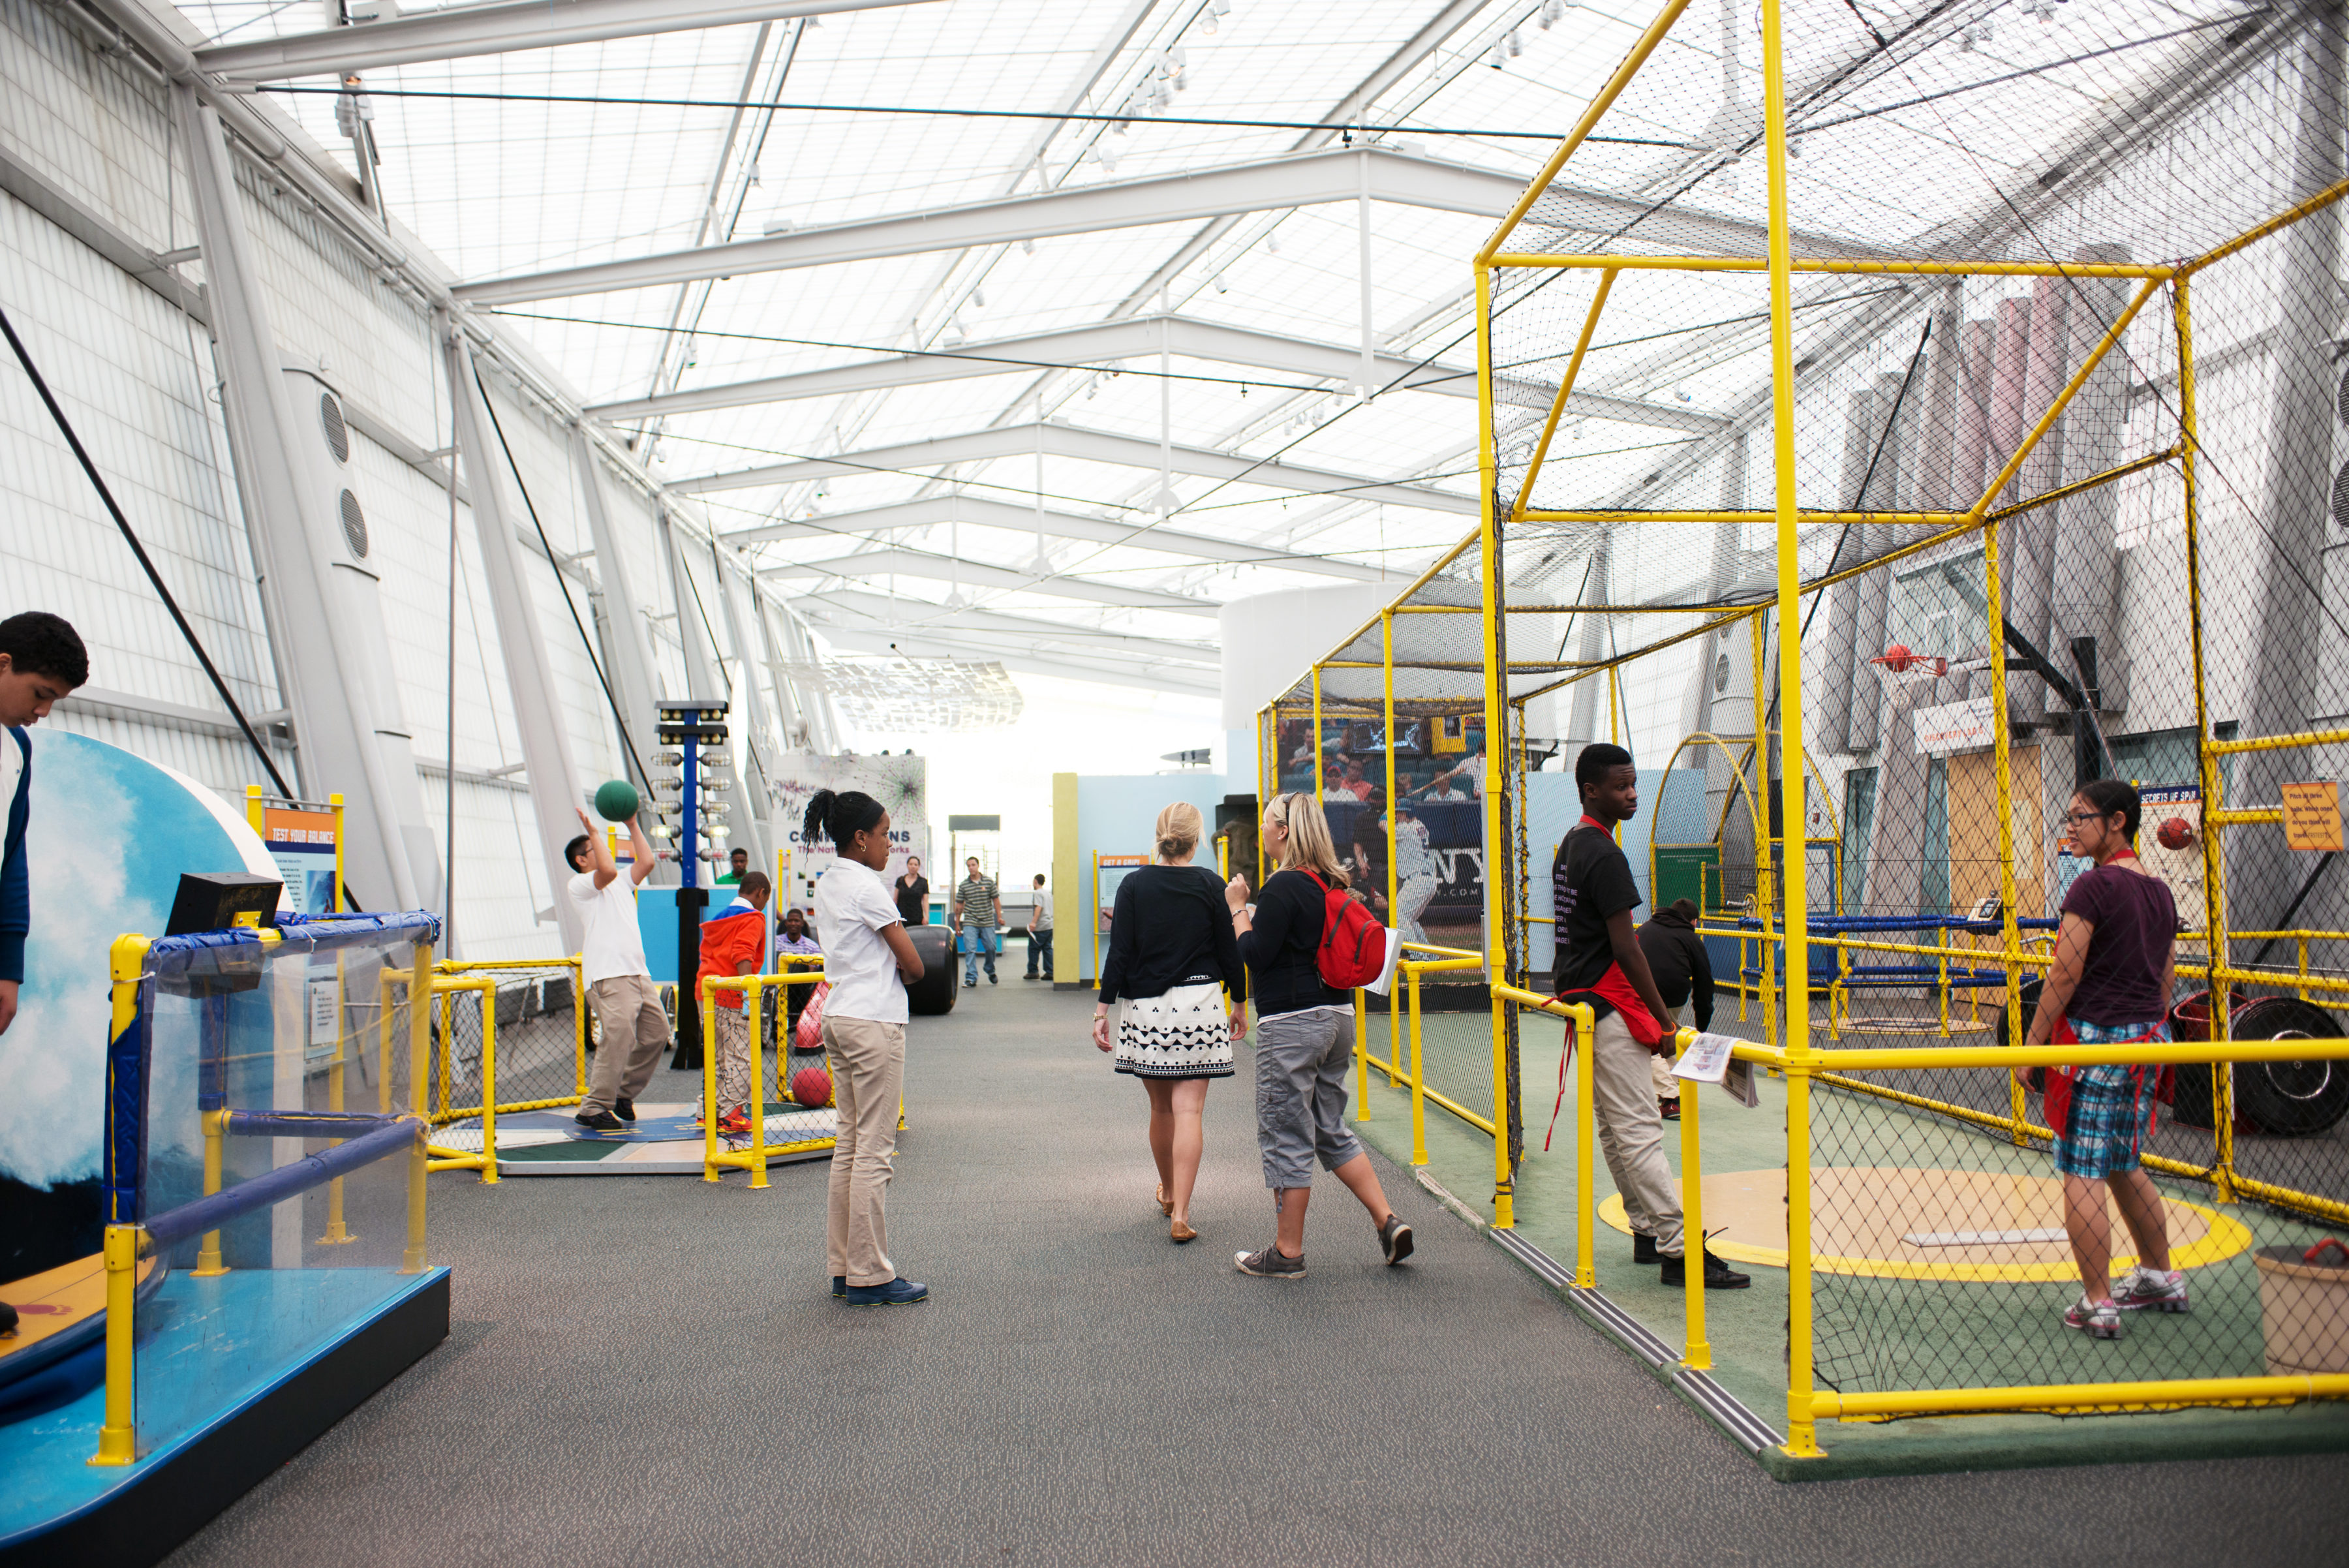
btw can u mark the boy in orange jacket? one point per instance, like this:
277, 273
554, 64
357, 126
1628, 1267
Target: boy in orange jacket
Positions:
734, 942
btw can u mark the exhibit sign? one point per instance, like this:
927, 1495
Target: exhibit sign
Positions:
901, 784
1968, 725
2312, 816
1109, 870
301, 843
2169, 843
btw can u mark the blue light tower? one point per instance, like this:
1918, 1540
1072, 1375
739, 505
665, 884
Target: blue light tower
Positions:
690, 725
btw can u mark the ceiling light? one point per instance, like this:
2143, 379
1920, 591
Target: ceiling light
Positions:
1271, 243
1499, 58
1516, 45
1027, 247
781, 226
1212, 18
978, 299
1218, 281
1551, 12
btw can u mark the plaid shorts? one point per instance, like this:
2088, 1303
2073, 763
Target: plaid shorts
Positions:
2111, 1111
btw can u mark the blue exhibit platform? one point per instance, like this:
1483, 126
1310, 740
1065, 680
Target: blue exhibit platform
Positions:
235, 1376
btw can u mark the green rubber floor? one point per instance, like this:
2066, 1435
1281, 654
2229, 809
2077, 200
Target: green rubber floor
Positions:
1871, 1333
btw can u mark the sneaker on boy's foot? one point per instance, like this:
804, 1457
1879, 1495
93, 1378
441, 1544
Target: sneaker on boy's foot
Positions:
897, 1292
1718, 1275
1269, 1264
1669, 1109
2163, 1291
625, 1108
839, 1287
601, 1121
2102, 1320
1643, 1249
736, 1123
1394, 1239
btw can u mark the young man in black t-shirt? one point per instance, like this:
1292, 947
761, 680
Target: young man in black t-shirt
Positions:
1599, 962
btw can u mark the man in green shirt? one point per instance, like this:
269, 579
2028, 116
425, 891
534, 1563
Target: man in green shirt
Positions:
978, 909
739, 862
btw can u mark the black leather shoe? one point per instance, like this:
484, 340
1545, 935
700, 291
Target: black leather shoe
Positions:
625, 1108
602, 1121
1643, 1249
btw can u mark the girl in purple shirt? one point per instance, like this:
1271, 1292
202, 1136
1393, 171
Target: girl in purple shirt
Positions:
2115, 962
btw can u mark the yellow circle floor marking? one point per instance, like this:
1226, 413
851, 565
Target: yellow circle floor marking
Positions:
1883, 1221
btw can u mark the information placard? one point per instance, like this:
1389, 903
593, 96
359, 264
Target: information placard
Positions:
2311, 816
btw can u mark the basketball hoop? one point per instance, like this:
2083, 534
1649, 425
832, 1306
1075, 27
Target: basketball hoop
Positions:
1900, 661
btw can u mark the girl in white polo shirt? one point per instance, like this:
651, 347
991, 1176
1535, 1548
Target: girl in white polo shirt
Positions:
868, 959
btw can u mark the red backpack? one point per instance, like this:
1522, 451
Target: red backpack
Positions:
1353, 950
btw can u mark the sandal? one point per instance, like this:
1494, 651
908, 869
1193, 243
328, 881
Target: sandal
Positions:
1182, 1232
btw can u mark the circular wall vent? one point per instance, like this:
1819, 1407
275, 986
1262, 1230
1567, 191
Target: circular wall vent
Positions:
1720, 674
355, 533
2341, 400
338, 435
2341, 497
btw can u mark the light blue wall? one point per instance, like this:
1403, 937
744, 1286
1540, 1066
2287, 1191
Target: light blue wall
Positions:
1113, 818
1553, 806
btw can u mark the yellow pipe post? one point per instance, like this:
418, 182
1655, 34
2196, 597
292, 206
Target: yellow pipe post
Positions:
1418, 1080
489, 1085
1362, 1054
2003, 771
753, 1000
1586, 1265
1318, 786
2216, 953
1801, 1439
709, 1171
579, 1016
420, 1047
1394, 879
338, 1231
118, 1438
1699, 1354
335, 899
1504, 1191
208, 1251
1757, 800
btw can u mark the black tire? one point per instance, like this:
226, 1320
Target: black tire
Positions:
933, 995
2037, 1076
2290, 1099
2190, 1103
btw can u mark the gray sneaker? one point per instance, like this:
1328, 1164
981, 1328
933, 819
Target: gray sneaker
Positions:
2148, 1288
1270, 1264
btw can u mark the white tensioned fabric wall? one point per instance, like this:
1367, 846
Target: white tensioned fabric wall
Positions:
137, 376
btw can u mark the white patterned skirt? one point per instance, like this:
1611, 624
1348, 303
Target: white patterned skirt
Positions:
1183, 1034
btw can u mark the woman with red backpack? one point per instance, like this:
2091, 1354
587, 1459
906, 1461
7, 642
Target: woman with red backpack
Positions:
1304, 1035
2114, 962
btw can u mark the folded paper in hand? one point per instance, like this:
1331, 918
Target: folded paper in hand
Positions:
1708, 1061
1380, 986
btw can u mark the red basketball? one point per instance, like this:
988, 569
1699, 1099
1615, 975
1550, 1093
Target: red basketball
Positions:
1897, 657
2175, 834
811, 1087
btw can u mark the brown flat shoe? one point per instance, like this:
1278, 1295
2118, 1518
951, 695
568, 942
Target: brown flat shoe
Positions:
1182, 1232
1165, 1204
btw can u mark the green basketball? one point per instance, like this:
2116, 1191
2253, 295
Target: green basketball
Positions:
616, 801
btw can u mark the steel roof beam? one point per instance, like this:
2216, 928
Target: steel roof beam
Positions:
943, 568
1299, 180
1135, 338
1190, 681
1085, 446
895, 612
461, 32
931, 511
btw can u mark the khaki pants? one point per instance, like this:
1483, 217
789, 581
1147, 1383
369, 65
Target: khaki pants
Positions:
1631, 1132
1667, 1087
733, 1058
636, 1031
868, 1078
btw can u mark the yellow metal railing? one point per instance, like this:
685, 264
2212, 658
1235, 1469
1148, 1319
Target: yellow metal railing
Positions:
444, 1111
126, 1244
445, 988
1408, 972
752, 988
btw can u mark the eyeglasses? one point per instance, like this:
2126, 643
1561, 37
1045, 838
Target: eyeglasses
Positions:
2088, 815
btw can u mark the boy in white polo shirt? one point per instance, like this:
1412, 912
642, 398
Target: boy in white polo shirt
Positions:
619, 983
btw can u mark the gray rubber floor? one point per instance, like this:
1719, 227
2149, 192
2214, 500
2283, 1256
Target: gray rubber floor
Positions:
650, 1370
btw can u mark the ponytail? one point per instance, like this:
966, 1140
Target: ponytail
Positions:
839, 817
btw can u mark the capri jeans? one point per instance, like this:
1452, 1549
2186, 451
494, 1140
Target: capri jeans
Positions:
1301, 1061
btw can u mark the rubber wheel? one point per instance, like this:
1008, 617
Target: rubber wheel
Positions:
932, 994
2290, 1099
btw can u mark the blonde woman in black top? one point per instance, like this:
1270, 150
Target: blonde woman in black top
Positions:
1175, 974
